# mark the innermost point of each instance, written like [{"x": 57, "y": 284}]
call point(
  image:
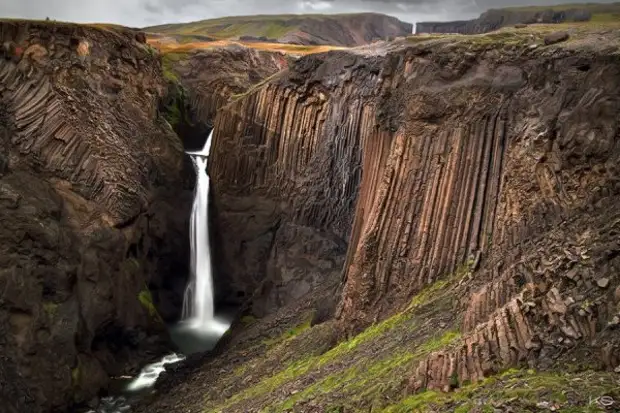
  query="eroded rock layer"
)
[{"x": 89, "y": 200}]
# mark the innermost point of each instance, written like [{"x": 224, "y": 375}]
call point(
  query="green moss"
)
[
  {"x": 364, "y": 379},
  {"x": 146, "y": 299},
  {"x": 526, "y": 388},
  {"x": 288, "y": 334},
  {"x": 50, "y": 308},
  {"x": 247, "y": 320},
  {"x": 368, "y": 380}
]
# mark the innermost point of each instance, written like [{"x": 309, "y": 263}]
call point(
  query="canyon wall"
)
[
  {"x": 90, "y": 201},
  {"x": 208, "y": 79},
  {"x": 497, "y": 18},
  {"x": 285, "y": 200},
  {"x": 440, "y": 158}
]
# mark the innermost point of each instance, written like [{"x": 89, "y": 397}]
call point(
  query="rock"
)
[
  {"x": 556, "y": 37},
  {"x": 520, "y": 26},
  {"x": 80, "y": 245},
  {"x": 617, "y": 369},
  {"x": 617, "y": 295},
  {"x": 141, "y": 37},
  {"x": 603, "y": 282},
  {"x": 615, "y": 321}
]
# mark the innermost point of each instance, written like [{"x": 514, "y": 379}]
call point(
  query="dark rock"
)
[
  {"x": 556, "y": 37},
  {"x": 141, "y": 37}
]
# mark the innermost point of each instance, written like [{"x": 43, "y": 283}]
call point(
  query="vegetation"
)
[
  {"x": 146, "y": 300},
  {"x": 520, "y": 389},
  {"x": 360, "y": 368},
  {"x": 189, "y": 44},
  {"x": 269, "y": 26}
]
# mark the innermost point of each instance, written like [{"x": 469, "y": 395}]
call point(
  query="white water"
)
[
  {"x": 198, "y": 308},
  {"x": 198, "y": 300},
  {"x": 198, "y": 319}
]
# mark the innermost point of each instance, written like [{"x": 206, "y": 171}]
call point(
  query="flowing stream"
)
[{"x": 199, "y": 329}]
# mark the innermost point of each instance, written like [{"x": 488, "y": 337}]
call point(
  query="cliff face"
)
[
  {"x": 338, "y": 29},
  {"x": 209, "y": 78},
  {"x": 89, "y": 202},
  {"x": 474, "y": 183},
  {"x": 497, "y": 18},
  {"x": 285, "y": 202}
]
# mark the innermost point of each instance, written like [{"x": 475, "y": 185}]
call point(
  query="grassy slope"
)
[{"x": 270, "y": 26}]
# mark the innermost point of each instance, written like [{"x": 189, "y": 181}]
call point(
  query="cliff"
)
[
  {"x": 455, "y": 197},
  {"x": 312, "y": 29},
  {"x": 207, "y": 79},
  {"x": 497, "y": 18},
  {"x": 90, "y": 194}
]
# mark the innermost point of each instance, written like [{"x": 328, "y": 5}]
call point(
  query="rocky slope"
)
[
  {"x": 90, "y": 202},
  {"x": 497, "y": 18},
  {"x": 455, "y": 197},
  {"x": 338, "y": 29}
]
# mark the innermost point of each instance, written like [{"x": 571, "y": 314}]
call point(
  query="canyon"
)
[{"x": 427, "y": 223}]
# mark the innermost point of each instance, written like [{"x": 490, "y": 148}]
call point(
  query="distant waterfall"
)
[{"x": 198, "y": 308}]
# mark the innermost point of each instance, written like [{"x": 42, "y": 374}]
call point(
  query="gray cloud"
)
[{"x": 139, "y": 13}]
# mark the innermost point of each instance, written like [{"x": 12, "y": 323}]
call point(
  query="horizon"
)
[{"x": 148, "y": 13}]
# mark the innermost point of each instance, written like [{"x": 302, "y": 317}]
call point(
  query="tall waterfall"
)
[{"x": 198, "y": 300}]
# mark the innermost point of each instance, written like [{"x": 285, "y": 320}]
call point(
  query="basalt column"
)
[{"x": 286, "y": 172}]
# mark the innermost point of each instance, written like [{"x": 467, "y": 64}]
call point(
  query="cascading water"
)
[
  {"x": 198, "y": 308},
  {"x": 199, "y": 329}
]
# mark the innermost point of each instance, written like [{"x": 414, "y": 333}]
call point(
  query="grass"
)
[
  {"x": 568, "y": 392},
  {"x": 270, "y": 26},
  {"x": 288, "y": 334},
  {"x": 187, "y": 45},
  {"x": 365, "y": 376},
  {"x": 369, "y": 380}
]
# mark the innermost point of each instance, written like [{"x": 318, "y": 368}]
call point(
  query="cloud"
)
[{"x": 139, "y": 13}]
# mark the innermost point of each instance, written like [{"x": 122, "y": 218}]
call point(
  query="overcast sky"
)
[{"x": 140, "y": 13}]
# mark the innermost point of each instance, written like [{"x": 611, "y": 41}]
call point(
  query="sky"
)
[{"x": 141, "y": 13}]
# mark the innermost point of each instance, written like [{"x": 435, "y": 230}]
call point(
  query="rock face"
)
[
  {"x": 285, "y": 203},
  {"x": 339, "y": 30},
  {"x": 498, "y": 18},
  {"x": 89, "y": 211},
  {"x": 421, "y": 162},
  {"x": 210, "y": 78}
]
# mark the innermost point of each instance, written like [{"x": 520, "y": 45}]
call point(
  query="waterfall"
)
[{"x": 198, "y": 308}]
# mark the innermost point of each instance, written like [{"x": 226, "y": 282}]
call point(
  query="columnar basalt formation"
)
[
  {"x": 460, "y": 155},
  {"x": 285, "y": 202},
  {"x": 89, "y": 184},
  {"x": 211, "y": 77}
]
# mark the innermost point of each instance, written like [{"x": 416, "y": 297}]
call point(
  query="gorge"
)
[{"x": 426, "y": 222}]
